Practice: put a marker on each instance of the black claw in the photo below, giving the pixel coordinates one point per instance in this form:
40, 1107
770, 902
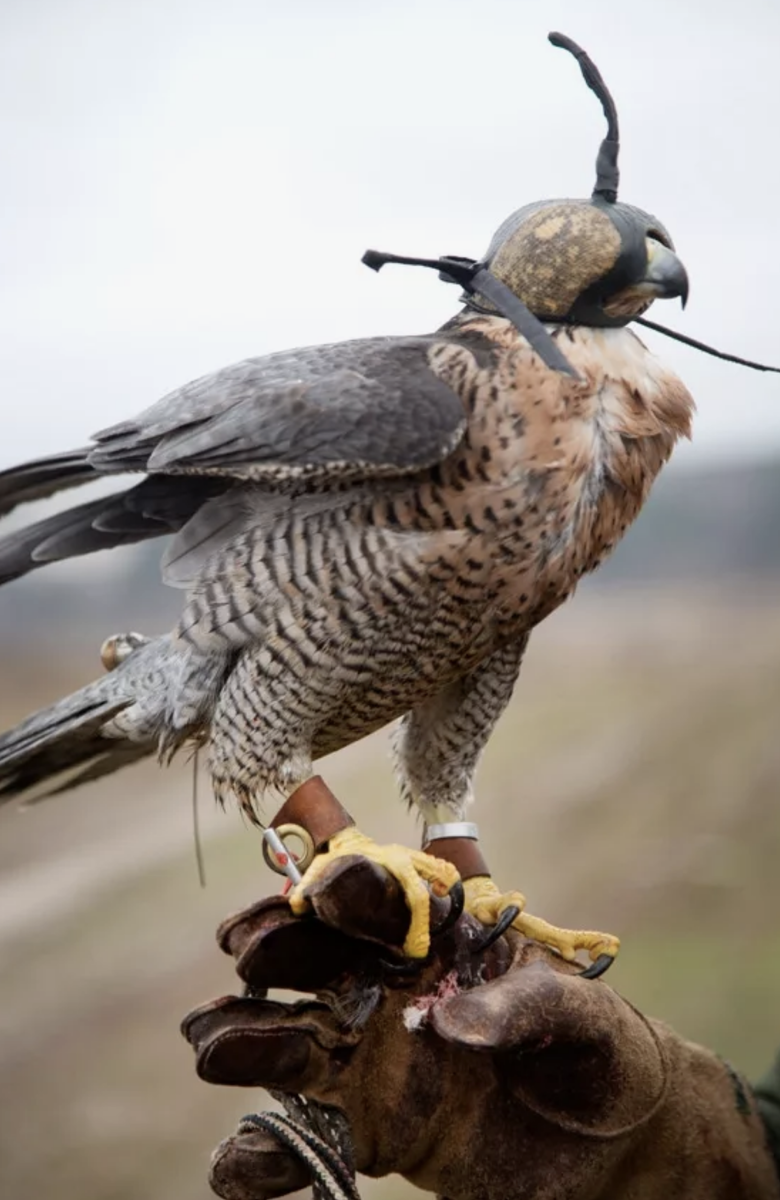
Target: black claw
254, 993
599, 967
404, 966
500, 927
457, 901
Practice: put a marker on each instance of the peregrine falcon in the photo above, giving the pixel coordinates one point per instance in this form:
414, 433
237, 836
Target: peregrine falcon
368, 532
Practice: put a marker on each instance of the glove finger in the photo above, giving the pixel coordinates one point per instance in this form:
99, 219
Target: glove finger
252, 1165
361, 914
273, 948
546, 1024
365, 901
260, 1043
361, 899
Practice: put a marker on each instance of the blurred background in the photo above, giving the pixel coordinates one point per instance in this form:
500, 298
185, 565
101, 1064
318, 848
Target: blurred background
186, 184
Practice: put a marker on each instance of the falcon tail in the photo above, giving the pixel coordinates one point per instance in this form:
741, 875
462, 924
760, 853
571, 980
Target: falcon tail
107, 725
44, 477
157, 506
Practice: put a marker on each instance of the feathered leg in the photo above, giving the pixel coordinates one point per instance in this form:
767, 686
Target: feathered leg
437, 748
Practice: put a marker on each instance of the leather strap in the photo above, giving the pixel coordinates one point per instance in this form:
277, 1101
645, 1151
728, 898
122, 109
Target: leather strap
464, 854
316, 809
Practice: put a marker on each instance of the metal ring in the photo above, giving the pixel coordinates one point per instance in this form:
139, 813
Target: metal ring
302, 862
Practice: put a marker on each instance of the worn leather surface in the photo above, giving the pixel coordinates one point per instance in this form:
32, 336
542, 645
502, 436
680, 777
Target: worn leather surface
495, 1074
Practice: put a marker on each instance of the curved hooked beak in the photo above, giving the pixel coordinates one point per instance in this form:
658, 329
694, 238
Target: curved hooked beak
665, 277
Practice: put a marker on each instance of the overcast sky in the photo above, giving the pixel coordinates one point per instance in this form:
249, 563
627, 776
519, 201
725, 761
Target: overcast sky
186, 184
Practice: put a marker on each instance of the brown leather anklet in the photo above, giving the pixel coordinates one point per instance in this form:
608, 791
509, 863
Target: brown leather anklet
314, 807
464, 854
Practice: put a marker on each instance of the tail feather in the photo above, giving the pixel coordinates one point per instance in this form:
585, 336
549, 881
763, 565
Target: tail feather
153, 508
43, 477
76, 722
62, 536
24, 785
95, 731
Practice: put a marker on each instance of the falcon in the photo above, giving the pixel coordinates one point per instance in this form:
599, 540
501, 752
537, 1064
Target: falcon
368, 532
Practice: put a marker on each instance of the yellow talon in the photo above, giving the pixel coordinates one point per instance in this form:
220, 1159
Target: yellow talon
409, 867
486, 903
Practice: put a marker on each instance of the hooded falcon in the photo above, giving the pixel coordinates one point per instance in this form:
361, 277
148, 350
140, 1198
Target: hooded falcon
368, 532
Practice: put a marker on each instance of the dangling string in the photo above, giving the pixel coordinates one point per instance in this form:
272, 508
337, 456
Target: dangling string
473, 277
196, 823
689, 341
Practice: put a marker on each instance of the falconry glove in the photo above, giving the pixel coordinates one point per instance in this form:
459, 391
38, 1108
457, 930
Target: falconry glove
492, 1070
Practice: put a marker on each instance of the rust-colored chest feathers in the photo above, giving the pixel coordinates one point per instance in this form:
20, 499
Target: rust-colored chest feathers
355, 604
551, 472
361, 605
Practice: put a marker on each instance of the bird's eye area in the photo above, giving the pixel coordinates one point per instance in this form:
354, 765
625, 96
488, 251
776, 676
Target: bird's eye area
655, 235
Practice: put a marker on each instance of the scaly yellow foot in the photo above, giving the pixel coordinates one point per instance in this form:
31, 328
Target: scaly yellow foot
409, 867
486, 903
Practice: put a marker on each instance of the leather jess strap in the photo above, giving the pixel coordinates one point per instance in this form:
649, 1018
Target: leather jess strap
314, 807
464, 854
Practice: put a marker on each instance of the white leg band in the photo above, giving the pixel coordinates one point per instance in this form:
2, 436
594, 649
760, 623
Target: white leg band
452, 829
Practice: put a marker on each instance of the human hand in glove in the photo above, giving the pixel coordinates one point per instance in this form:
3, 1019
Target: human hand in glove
491, 1071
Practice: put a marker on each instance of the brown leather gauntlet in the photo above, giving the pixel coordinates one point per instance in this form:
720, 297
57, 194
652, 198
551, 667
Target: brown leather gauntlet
496, 1073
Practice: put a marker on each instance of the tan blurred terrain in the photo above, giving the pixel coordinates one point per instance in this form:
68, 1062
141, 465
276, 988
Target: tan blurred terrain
632, 786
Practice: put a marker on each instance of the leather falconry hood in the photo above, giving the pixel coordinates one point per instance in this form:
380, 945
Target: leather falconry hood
571, 260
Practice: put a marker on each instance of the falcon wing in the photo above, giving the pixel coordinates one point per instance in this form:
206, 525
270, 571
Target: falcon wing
43, 477
354, 409
321, 415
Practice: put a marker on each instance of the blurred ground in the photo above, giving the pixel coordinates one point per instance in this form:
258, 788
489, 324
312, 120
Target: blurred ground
632, 786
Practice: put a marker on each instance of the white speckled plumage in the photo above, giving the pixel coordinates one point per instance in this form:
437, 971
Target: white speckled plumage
370, 530
318, 613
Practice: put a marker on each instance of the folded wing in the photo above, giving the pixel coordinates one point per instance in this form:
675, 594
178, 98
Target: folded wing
310, 419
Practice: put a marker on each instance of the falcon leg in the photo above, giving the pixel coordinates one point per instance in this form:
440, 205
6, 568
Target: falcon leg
437, 748
412, 868
252, 767
313, 808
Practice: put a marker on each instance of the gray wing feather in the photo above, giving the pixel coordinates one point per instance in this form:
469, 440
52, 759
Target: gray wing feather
212, 526
309, 420
43, 477
114, 721
155, 507
365, 407
67, 737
